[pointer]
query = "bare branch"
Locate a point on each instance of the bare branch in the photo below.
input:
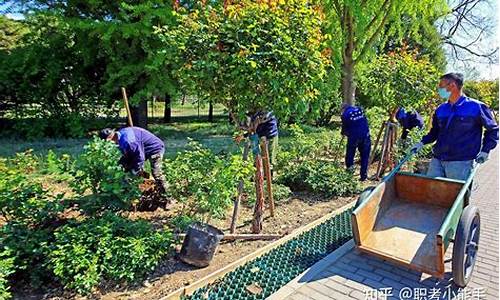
(489, 56)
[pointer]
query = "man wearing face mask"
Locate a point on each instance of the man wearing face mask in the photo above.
(457, 129)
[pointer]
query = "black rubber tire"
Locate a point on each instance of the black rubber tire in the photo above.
(363, 196)
(465, 245)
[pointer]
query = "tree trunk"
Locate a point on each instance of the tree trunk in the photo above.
(210, 112)
(167, 115)
(140, 114)
(348, 84)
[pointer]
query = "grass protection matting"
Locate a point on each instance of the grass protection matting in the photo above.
(263, 276)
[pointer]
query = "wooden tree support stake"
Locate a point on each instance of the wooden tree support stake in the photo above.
(267, 171)
(258, 213)
(372, 158)
(237, 201)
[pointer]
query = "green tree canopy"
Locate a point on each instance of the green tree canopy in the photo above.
(11, 33)
(399, 79)
(252, 55)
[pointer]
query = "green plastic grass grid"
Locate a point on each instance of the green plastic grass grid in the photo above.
(282, 264)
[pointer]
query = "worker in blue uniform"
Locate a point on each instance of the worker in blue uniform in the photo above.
(138, 145)
(408, 121)
(266, 125)
(463, 130)
(355, 127)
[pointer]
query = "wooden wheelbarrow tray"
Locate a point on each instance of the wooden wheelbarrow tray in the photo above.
(410, 219)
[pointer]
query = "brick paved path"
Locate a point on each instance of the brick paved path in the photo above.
(347, 274)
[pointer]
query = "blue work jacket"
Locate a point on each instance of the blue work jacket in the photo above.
(458, 130)
(354, 123)
(137, 145)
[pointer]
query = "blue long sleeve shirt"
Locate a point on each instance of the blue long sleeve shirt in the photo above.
(409, 120)
(458, 130)
(269, 128)
(354, 123)
(137, 145)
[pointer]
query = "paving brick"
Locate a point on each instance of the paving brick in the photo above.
(390, 275)
(351, 267)
(369, 275)
(339, 287)
(356, 285)
(361, 265)
(347, 274)
(357, 294)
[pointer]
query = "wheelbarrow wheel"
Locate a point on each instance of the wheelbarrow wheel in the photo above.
(465, 245)
(363, 196)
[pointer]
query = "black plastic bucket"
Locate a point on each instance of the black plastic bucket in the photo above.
(200, 244)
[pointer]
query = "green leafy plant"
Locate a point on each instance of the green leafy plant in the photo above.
(110, 247)
(181, 222)
(28, 248)
(204, 182)
(399, 79)
(325, 177)
(23, 200)
(281, 192)
(57, 165)
(6, 269)
(97, 170)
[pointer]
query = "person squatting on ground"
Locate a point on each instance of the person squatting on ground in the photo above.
(355, 127)
(408, 121)
(457, 129)
(138, 145)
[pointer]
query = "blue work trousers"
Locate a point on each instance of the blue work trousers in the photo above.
(363, 145)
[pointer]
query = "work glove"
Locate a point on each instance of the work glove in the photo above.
(417, 147)
(482, 157)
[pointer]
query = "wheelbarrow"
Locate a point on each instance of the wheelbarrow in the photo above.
(411, 219)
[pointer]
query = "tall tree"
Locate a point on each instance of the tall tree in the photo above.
(119, 36)
(357, 27)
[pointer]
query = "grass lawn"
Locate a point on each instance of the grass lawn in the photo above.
(217, 136)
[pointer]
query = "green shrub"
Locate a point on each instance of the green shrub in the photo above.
(110, 248)
(308, 143)
(28, 248)
(204, 182)
(98, 170)
(25, 162)
(30, 128)
(6, 269)
(24, 201)
(325, 177)
(180, 223)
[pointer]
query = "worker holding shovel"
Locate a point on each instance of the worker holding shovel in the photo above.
(138, 145)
